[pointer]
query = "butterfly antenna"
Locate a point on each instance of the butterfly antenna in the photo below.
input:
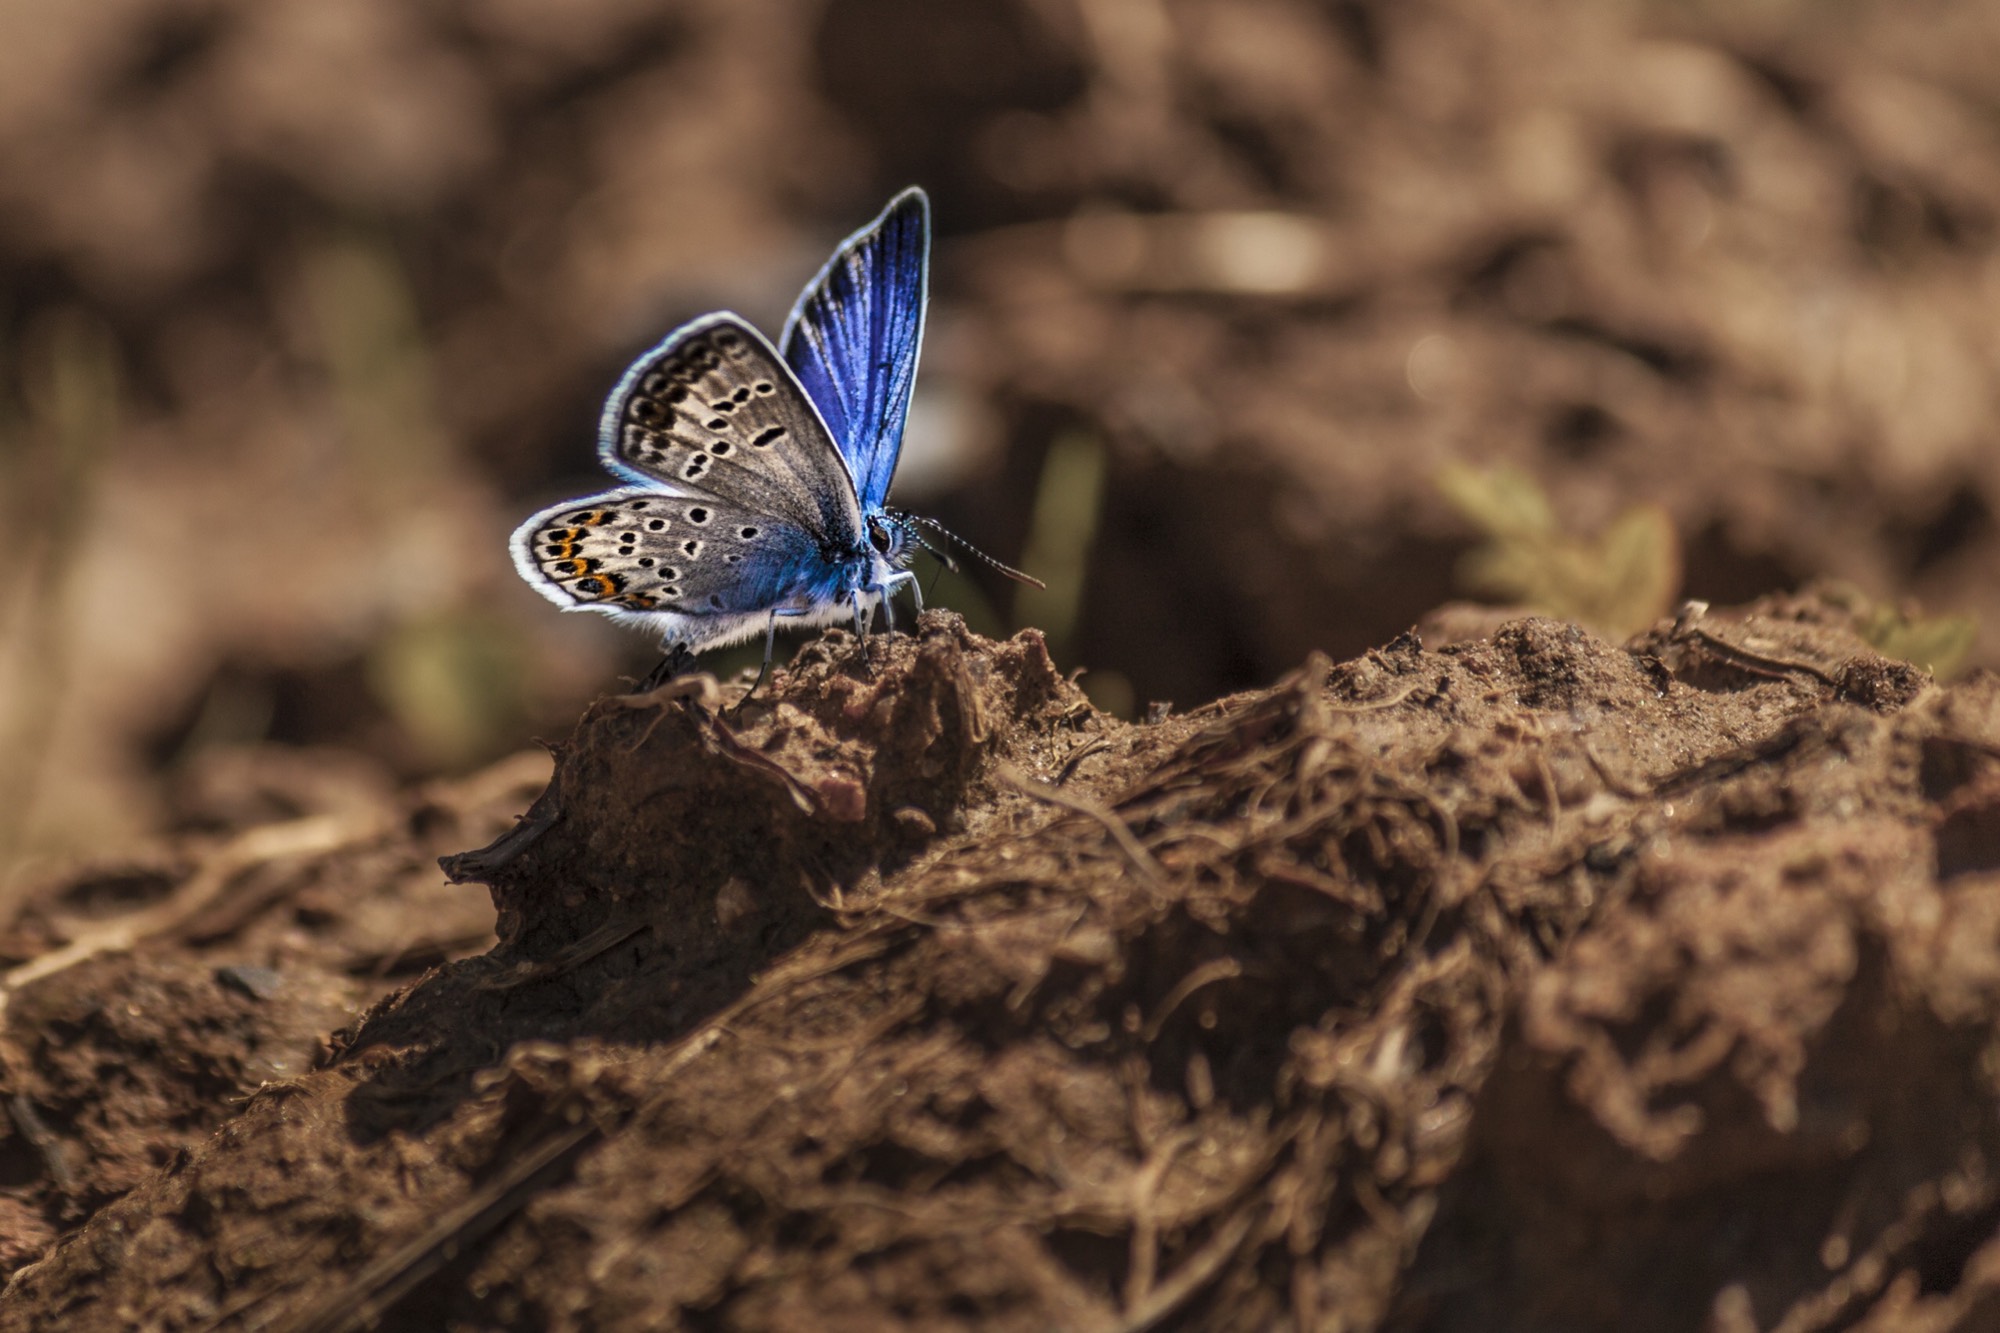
(943, 556)
(972, 550)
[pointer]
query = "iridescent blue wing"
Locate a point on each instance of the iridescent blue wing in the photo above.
(853, 339)
(713, 411)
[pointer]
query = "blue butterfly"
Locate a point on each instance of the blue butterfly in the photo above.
(757, 475)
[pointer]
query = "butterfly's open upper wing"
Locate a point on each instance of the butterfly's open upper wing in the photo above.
(713, 411)
(854, 336)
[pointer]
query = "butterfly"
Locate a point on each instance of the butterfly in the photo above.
(756, 476)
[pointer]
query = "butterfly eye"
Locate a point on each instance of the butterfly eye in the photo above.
(878, 536)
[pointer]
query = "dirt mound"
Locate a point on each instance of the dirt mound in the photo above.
(1525, 981)
(343, 293)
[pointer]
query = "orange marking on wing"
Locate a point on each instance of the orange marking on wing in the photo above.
(562, 543)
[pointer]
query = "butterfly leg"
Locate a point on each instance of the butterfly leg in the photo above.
(675, 663)
(887, 591)
(770, 644)
(906, 579)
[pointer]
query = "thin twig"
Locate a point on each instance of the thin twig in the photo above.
(1079, 754)
(378, 1286)
(1376, 704)
(252, 848)
(1617, 785)
(1142, 1267)
(1185, 1281)
(1217, 969)
(1142, 860)
(1747, 657)
(29, 1123)
(605, 938)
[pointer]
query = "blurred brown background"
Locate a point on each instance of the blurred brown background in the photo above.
(308, 302)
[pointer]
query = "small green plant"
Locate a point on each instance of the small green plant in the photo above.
(59, 421)
(1941, 645)
(1617, 583)
(1060, 535)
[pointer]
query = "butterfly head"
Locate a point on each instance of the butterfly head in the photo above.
(893, 539)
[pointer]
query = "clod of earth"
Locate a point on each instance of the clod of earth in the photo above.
(1523, 982)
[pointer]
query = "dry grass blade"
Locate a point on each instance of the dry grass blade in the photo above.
(1751, 660)
(300, 837)
(377, 1287)
(1142, 860)
(1185, 1282)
